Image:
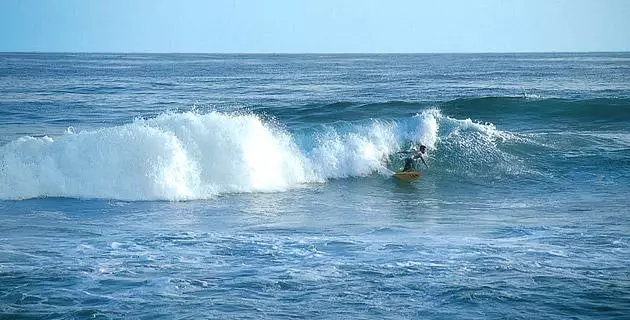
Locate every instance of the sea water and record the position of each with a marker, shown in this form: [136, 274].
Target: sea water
[190, 186]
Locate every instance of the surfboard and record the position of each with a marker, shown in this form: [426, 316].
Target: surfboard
[407, 176]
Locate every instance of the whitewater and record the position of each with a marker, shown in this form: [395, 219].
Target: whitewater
[191, 155]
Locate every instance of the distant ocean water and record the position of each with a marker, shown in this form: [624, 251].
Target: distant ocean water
[258, 186]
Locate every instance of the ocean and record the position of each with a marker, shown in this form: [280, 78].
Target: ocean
[258, 186]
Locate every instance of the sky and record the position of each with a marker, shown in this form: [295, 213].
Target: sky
[314, 26]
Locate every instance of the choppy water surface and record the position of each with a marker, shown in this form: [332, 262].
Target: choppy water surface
[258, 186]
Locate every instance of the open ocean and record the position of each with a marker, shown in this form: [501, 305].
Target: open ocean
[189, 186]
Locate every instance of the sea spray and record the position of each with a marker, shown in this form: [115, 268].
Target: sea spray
[131, 162]
[171, 157]
[347, 149]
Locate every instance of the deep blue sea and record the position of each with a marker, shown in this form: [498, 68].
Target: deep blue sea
[204, 186]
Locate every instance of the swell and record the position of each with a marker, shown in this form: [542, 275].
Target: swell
[526, 110]
[297, 115]
[548, 112]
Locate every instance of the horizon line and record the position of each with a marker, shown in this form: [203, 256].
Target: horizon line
[309, 53]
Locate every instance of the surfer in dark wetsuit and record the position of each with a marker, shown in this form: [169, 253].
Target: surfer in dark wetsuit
[410, 162]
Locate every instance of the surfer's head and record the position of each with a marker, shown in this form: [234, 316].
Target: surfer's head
[422, 149]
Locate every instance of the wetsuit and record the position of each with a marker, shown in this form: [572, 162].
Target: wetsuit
[410, 164]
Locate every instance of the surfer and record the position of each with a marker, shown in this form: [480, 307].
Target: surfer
[410, 162]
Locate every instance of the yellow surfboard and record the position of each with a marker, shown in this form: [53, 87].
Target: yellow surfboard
[408, 176]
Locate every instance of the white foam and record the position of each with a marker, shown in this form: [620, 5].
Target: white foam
[428, 128]
[358, 151]
[172, 157]
[183, 156]
[488, 130]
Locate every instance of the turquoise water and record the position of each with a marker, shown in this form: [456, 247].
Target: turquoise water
[258, 186]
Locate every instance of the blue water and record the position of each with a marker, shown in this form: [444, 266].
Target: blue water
[259, 186]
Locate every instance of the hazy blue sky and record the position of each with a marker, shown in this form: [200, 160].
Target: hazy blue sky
[314, 26]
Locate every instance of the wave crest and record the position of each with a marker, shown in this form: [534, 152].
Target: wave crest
[184, 156]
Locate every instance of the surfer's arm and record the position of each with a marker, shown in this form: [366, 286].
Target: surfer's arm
[423, 161]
